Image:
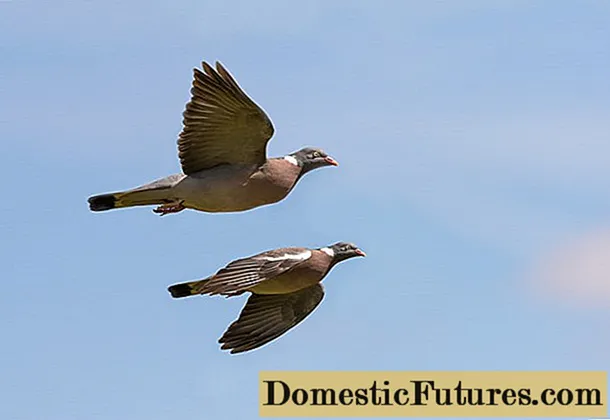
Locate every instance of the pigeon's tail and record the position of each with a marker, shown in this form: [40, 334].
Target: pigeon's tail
[119, 200]
[187, 289]
[197, 287]
[102, 202]
[155, 193]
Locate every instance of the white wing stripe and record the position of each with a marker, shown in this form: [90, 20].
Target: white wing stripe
[298, 257]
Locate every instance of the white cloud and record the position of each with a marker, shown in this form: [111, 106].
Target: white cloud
[576, 273]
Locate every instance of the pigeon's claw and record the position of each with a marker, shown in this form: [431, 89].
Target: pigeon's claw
[175, 207]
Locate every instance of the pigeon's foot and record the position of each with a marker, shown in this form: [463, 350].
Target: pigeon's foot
[169, 208]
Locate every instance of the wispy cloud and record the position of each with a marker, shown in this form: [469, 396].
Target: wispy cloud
[576, 273]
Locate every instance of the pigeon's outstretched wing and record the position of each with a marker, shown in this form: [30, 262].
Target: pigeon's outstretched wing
[222, 125]
[266, 317]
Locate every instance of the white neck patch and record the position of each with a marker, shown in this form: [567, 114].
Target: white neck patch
[292, 160]
[328, 251]
[300, 256]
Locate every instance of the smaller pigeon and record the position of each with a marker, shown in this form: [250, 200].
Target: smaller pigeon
[285, 288]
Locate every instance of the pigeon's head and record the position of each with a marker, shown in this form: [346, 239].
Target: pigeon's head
[343, 251]
[311, 158]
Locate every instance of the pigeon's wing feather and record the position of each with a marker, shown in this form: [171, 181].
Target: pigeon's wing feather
[222, 125]
[266, 317]
[245, 273]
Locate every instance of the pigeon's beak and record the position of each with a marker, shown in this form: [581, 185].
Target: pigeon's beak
[331, 161]
[360, 252]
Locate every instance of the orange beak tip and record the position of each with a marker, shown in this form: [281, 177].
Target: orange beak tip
[332, 161]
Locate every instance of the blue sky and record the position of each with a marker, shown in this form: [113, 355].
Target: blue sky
[474, 170]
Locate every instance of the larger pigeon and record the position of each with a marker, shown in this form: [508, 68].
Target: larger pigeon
[222, 151]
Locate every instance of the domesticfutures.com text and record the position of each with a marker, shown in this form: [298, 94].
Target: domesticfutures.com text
[425, 392]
